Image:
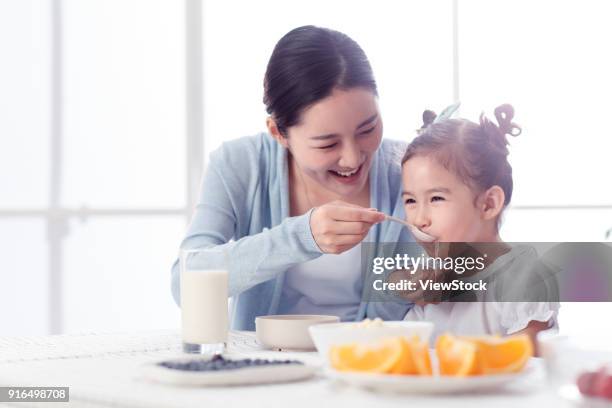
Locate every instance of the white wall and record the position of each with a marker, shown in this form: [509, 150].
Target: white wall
[93, 187]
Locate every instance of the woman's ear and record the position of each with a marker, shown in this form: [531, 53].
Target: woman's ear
[492, 202]
[275, 133]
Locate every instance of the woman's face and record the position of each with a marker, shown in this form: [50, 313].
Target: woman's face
[335, 140]
[439, 203]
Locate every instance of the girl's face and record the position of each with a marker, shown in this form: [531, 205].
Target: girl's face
[440, 204]
[336, 139]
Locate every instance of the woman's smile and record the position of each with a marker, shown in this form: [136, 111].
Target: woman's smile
[347, 176]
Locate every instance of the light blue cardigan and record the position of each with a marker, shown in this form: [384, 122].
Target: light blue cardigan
[244, 209]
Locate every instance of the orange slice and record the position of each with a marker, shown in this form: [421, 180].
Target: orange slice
[415, 359]
[503, 354]
[406, 364]
[457, 357]
[380, 357]
[420, 356]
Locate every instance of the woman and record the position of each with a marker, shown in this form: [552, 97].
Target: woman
[298, 200]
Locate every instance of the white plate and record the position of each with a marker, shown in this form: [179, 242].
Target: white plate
[435, 384]
[239, 376]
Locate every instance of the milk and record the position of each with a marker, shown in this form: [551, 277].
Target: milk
[204, 306]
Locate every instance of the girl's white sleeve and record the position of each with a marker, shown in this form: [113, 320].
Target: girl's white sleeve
[515, 316]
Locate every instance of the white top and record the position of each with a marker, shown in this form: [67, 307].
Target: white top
[330, 284]
[490, 317]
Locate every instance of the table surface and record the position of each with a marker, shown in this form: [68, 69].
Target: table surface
[102, 370]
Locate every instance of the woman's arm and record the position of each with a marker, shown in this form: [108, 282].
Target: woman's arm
[252, 259]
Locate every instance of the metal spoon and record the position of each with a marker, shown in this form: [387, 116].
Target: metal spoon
[418, 234]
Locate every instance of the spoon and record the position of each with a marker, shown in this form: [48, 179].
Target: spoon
[418, 234]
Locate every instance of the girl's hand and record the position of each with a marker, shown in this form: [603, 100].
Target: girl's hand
[339, 226]
[532, 330]
[419, 296]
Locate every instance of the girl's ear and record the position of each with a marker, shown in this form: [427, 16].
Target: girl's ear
[492, 202]
[275, 133]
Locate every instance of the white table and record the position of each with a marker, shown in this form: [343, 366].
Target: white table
[101, 370]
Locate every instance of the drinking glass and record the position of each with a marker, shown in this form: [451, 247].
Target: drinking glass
[204, 304]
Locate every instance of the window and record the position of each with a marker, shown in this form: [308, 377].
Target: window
[92, 163]
[100, 152]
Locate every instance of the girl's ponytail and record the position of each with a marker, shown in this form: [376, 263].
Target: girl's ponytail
[496, 134]
[504, 115]
[428, 117]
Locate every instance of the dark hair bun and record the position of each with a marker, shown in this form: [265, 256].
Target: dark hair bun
[496, 134]
[428, 117]
[504, 115]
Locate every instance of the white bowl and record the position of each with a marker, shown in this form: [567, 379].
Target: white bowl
[327, 335]
[289, 332]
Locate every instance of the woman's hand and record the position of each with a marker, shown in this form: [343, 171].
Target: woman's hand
[339, 226]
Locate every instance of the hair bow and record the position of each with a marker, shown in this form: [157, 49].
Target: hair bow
[447, 112]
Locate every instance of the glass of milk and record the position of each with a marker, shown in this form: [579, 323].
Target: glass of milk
[204, 308]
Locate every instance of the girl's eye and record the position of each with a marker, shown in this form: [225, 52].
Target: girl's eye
[410, 201]
[328, 146]
[437, 198]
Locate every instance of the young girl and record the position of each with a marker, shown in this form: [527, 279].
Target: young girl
[457, 181]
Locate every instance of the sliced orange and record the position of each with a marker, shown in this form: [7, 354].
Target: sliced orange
[415, 360]
[503, 354]
[380, 357]
[457, 357]
[406, 364]
[420, 356]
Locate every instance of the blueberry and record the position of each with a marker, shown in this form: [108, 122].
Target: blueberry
[218, 363]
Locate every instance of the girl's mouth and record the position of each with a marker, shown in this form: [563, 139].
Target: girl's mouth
[347, 177]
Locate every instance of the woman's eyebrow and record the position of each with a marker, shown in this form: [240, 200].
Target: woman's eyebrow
[324, 137]
[368, 120]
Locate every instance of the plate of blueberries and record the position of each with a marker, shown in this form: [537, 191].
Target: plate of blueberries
[223, 370]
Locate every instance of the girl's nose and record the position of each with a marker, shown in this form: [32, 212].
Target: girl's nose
[422, 218]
